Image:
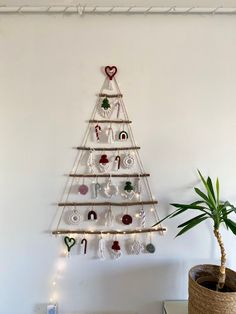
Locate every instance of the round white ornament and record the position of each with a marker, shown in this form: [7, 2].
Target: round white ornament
[73, 217]
[128, 161]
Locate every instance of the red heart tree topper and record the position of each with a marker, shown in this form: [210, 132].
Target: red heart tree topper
[111, 71]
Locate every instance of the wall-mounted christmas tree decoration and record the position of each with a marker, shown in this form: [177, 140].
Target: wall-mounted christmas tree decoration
[108, 207]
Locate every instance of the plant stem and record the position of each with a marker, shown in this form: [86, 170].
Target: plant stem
[221, 278]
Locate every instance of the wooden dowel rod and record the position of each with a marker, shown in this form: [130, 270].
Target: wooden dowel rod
[111, 96]
[124, 175]
[107, 203]
[108, 148]
[110, 121]
[61, 232]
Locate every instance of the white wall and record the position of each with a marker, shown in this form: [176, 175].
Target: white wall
[178, 77]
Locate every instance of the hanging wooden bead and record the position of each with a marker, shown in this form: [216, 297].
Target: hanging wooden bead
[92, 215]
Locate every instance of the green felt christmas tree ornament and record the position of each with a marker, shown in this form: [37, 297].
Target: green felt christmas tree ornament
[105, 104]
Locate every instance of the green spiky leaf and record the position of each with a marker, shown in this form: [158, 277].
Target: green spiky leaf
[231, 224]
[191, 220]
[191, 225]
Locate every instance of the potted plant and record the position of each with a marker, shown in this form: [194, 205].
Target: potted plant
[212, 289]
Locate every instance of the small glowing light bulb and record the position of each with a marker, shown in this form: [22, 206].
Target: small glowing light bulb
[54, 283]
[152, 209]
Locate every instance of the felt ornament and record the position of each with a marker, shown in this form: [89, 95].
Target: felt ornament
[109, 218]
[105, 108]
[123, 136]
[136, 247]
[98, 130]
[115, 250]
[117, 105]
[69, 242]
[83, 189]
[117, 161]
[128, 187]
[110, 189]
[96, 187]
[92, 215]
[150, 248]
[101, 248]
[90, 162]
[85, 243]
[127, 219]
[73, 217]
[128, 161]
[110, 135]
[103, 163]
[128, 190]
[110, 71]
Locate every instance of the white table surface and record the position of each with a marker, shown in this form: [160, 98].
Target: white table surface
[175, 307]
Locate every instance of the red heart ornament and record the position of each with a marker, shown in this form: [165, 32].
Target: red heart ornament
[111, 71]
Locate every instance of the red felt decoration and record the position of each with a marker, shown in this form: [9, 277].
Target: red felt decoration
[127, 219]
[111, 71]
[103, 159]
[116, 246]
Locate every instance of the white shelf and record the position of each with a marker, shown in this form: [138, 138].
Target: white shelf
[175, 307]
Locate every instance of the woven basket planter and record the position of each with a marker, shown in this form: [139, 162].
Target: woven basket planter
[205, 301]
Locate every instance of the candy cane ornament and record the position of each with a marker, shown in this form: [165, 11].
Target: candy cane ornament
[98, 130]
[118, 110]
[85, 243]
[117, 160]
